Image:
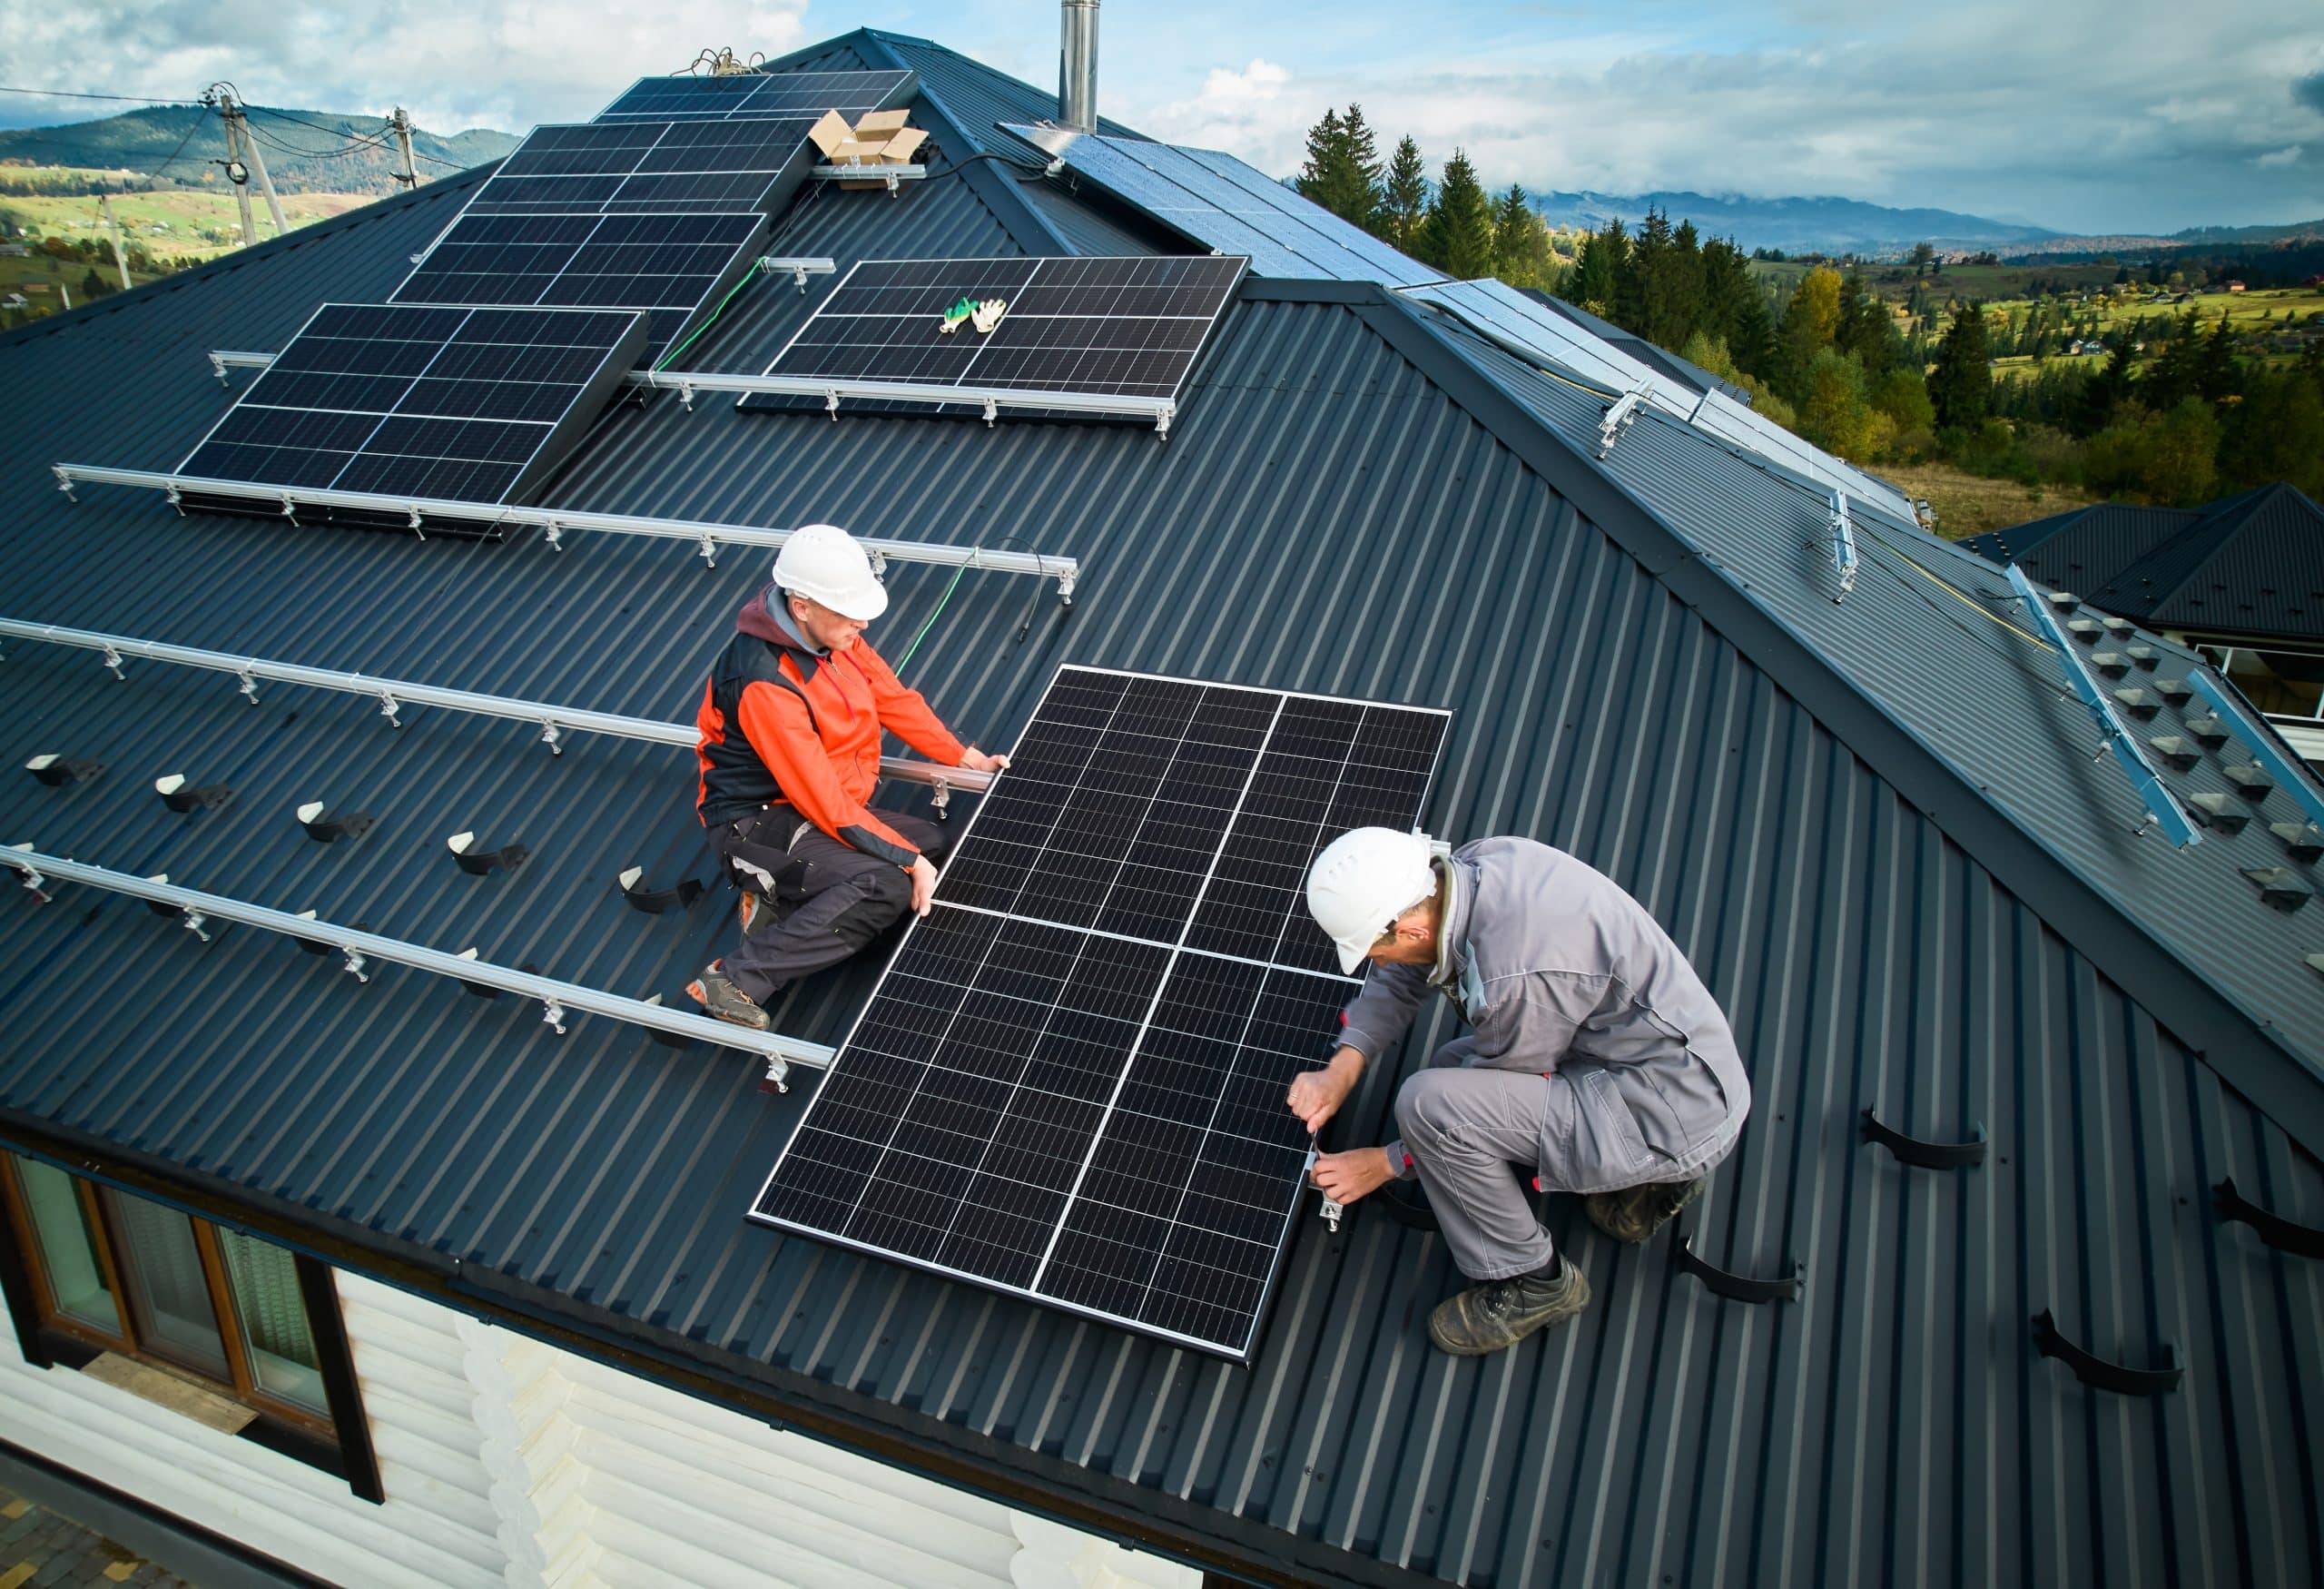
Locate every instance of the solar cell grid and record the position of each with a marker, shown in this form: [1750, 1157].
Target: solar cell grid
[645, 167]
[755, 95]
[452, 403]
[1130, 327]
[1054, 1089]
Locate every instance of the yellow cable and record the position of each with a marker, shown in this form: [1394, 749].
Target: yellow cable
[1971, 603]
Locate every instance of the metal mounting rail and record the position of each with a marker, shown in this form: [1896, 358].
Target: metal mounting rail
[556, 523]
[992, 400]
[887, 176]
[2162, 806]
[358, 949]
[2292, 777]
[394, 694]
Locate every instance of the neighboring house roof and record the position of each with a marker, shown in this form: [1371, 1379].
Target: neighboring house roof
[2250, 563]
[1874, 824]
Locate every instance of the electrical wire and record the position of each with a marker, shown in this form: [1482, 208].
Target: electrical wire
[123, 98]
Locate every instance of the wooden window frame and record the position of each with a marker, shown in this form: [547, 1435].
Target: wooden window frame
[340, 1442]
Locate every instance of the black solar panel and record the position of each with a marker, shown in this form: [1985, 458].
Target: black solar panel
[473, 405]
[755, 95]
[648, 167]
[671, 266]
[1117, 327]
[1054, 1089]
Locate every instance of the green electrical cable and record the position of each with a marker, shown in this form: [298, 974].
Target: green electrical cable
[706, 325]
[930, 624]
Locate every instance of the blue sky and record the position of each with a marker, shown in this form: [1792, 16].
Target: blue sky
[2135, 115]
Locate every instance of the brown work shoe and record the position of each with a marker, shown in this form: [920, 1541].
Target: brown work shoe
[716, 994]
[1494, 1313]
[754, 910]
[1636, 1212]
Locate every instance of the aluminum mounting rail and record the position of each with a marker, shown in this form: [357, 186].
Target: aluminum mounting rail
[2162, 807]
[393, 694]
[556, 523]
[992, 400]
[358, 949]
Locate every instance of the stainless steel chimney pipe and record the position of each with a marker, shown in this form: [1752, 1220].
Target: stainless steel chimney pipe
[1077, 66]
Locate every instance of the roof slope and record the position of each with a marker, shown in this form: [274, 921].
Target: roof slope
[2252, 564]
[1645, 670]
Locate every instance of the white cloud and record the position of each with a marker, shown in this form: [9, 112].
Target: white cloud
[453, 64]
[2288, 155]
[1249, 109]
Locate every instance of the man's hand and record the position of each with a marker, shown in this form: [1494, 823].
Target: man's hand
[1345, 1177]
[1316, 1096]
[976, 761]
[923, 885]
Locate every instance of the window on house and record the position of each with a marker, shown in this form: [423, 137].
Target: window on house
[112, 1273]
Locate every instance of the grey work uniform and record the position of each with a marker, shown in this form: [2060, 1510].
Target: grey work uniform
[1595, 1053]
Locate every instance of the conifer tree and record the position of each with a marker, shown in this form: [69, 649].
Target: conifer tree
[1403, 198]
[1343, 169]
[1961, 387]
[1521, 242]
[1457, 238]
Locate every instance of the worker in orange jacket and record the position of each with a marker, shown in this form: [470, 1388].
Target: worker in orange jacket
[789, 750]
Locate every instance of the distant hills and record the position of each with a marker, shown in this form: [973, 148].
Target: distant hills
[1825, 225]
[141, 139]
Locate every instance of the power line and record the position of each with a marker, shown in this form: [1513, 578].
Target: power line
[123, 98]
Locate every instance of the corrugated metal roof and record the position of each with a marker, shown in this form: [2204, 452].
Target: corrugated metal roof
[1346, 506]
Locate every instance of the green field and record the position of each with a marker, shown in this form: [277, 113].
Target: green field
[184, 223]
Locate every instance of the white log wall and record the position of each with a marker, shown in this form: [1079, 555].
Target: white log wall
[510, 1463]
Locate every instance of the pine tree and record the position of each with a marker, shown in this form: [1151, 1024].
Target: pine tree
[1403, 198]
[1592, 282]
[1961, 387]
[1637, 296]
[1343, 169]
[1521, 242]
[1457, 238]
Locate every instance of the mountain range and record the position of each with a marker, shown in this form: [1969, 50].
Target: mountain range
[306, 152]
[1827, 225]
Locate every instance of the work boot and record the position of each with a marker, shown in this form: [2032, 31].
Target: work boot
[716, 994]
[1636, 1212]
[1494, 1313]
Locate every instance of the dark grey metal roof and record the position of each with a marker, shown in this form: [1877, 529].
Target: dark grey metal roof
[2250, 564]
[1355, 499]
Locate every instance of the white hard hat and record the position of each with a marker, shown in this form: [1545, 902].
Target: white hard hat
[823, 563]
[1361, 881]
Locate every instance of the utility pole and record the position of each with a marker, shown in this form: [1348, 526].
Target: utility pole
[120, 256]
[410, 174]
[238, 173]
[257, 164]
[237, 131]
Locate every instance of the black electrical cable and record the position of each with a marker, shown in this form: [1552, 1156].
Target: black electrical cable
[123, 98]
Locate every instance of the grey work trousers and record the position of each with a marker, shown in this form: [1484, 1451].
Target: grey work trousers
[1466, 1126]
[829, 898]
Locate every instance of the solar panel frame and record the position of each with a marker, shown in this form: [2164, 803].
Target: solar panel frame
[499, 400]
[1133, 329]
[755, 95]
[1288, 1010]
[672, 266]
[1222, 203]
[646, 167]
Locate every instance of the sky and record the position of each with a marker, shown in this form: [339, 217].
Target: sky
[2130, 116]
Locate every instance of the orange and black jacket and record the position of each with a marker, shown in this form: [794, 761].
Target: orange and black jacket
[782, 724]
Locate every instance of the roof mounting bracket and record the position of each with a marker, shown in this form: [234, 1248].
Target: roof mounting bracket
[553, 1013]
[177, 499]
[1619, 419]
[417, 527]
[219, 366]
[249, 684]
[710, 549]
[799, 269]
[554, 533]
[354, 964]
[1737, 1287]
[878, 564]
[389, 706]
[2295, 780]
[1844, 556]
[112, 660]
[550, 735]
[1925, 1155]
[33, 881]
[291, 509]
[2283, 1235]
[830, 402]
[655, 901]
[685, 394]
[992, 411]
[64, 481]
[56, 771]
[2098, 1373]
[198, 924]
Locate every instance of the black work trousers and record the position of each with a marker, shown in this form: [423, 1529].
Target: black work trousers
[829, 899]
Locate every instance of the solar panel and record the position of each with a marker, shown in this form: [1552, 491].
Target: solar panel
[475, 404]
[648, 167]
[1108, 327]
[761, 93]
[1056, 1089]
[669, 265]
[1225, 204]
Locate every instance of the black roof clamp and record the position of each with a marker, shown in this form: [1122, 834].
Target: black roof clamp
[655, 901]
[56, 771]
[329, 830]
[1737, 1287]
[2097, 1372]
[1923, 1154]
[2283, 1235]
[176, 794]
[478, 863]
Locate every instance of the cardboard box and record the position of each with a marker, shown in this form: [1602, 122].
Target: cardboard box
[854, 151]
[881, 125]
[902, 149]
[830, 133]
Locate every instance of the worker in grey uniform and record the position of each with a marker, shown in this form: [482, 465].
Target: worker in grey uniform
[1595, 1059]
